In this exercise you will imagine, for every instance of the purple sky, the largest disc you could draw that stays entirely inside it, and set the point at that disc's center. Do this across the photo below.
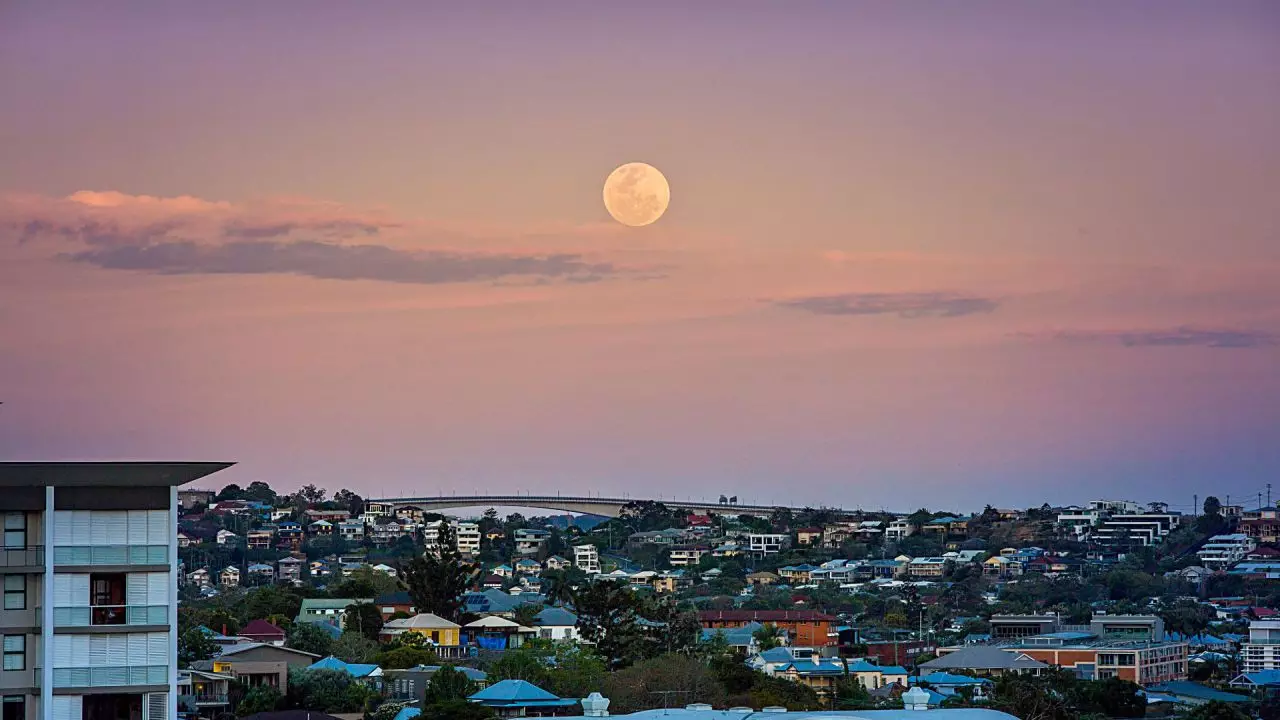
(931, 254)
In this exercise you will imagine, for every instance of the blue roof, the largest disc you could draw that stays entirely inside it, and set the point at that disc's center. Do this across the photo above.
(778, 654)
(518, 693)
(946, 678)
(1186, 688)
(809, 667)
(471, 673)
(407, 713)
(352, 669)
(864, 666)
(555, 616)
(1262, 677)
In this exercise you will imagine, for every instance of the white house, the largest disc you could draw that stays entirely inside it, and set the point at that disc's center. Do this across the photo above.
(587, 558)
(1222, 551)
(226, 537)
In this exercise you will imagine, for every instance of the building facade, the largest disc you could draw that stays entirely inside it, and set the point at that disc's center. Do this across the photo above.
(90, 573)
(1262, 652)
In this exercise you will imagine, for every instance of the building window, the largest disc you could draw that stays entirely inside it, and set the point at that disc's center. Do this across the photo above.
(15, 592)
(15, 652)
(15, 530)
(15, 707)
(107, 596)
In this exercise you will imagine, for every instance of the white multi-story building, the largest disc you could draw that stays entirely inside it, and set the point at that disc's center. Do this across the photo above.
(529, 542)
(898, 529)
(1262, 652)
(90, 569)
(1078, 524)
(587, 558)
(761, 544)
(1222, 551)
(468, 537)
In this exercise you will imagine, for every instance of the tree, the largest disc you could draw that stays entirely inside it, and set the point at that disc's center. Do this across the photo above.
(1217, 710)
(644, 685)
(350, 501)
(850, 694)
(326, 690)
(310, 638)
(260, 492)
(768, 636)
(1186, 617)
(448, 684)
(230, 492)
(607, 617)
(520, 664)
(262, 698)
(194, 644)
(311, 494)
(1212, 505)
(1024, 697)
(353, 647)
(364, 618)
(406, 657)
(436, 580)
(526, 614)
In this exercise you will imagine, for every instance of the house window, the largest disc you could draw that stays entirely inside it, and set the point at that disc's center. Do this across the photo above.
(15, 707)
(15, 592)
(15, 652)
(15, 530)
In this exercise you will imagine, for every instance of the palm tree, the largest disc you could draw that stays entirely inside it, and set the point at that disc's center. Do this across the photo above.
(768, 636)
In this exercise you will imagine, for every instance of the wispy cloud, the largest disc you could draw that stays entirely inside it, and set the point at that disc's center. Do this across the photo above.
(339, 262)
(905, 305)
(1184, 336)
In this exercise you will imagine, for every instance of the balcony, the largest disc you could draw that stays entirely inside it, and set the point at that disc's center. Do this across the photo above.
(110, 676)
(107, 615)
(31, 556)
(111, 555)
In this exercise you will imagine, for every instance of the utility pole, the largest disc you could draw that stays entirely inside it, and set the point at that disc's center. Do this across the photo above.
(1268, 494)
(1195, 505)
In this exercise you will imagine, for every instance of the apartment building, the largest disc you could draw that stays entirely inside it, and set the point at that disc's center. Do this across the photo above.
(1262, 652)
(468, 538)
(899, 529)
(761, 544)
(529, 542)
(1222, 551)
(688, 555)
(89, 566)
(1263, 524)
(1135, 529)
(587, 558)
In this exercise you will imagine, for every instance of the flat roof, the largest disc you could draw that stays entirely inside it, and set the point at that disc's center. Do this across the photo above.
(90, 474)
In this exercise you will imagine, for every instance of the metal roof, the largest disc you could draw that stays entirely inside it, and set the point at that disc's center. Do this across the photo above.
(92, 474)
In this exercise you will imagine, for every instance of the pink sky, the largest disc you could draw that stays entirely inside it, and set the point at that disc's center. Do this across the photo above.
(1001, 255)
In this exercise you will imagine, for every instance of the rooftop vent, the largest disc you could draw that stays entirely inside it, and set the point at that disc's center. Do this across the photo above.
(774, 709)
(741, 709)
(697, 706)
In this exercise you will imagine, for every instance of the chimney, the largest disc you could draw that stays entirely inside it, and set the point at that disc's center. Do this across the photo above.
(595, 705)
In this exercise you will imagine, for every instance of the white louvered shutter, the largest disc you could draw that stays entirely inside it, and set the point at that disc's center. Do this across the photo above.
(68, 707)
(136, 586)
(157, 588)
(158, 648)
(137, 651)
(81, 527)
(63, 652)
(79, 588)
(99, 650)
(62, 590)
(159, 532)
(157, 707)
(62, 527)
(138, 527)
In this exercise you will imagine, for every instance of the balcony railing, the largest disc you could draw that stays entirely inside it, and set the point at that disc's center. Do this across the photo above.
(110, 676)
(106, 615)
(210, 698)
(29, 556)
(111, 555)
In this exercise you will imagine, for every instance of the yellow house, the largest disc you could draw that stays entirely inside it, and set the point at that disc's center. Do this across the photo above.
(872, 676)
(432, 628)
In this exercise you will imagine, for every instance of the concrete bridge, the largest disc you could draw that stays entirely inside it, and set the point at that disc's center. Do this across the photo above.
(588, 505)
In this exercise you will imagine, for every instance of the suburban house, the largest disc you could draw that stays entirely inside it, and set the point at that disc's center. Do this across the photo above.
(443, 635)
(253, 664)
(1222, 551)
(555, 623)
(529, 542)
(873, 676)
(259, 539)
(229, 577)
(328, 610)
(687, 555)
(225, 537)
(261, 631)
(518, 698)
(289, 569)
(395, 602)
(762, 544)
(586, 558)
(203, 694)
(555, 562)
(320, 528)
(497, 633)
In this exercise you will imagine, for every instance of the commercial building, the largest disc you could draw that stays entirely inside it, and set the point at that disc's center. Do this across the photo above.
(1130, 647)
(89, 567)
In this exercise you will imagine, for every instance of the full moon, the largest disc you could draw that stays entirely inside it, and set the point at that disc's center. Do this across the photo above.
(636, 194)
